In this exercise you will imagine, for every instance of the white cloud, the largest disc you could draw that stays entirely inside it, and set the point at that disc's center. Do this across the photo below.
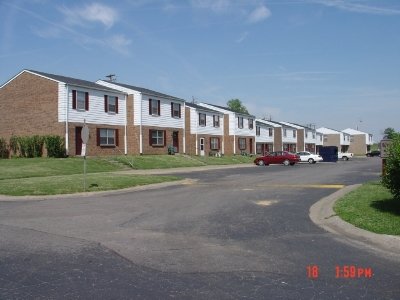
(242, 37)
(259, 14)
(355, 6)
(119, 43)
(94, 12)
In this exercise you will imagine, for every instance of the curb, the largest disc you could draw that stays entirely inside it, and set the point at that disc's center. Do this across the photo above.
(323, 215)
(153, 186)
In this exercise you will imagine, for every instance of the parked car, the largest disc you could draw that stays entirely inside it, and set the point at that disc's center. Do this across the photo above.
(345, 155)
(306, 156)
(277, 157)
(373, 153)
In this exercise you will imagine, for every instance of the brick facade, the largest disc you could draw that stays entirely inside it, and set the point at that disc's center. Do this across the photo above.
(29, 107)
(278, 145)
(358, 145)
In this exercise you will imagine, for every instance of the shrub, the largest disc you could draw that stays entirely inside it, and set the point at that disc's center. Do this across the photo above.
(55, 146)
(14, 148)
(4, 152)
(391, 178)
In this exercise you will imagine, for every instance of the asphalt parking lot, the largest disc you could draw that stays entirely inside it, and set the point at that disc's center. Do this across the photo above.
(227, 233)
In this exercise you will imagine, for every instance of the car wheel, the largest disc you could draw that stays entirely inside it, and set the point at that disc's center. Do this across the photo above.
(286, 162)
(310, 161)
(261, 163)
(292, 164)
(345, 158)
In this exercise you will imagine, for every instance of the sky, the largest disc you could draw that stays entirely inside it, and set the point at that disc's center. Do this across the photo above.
(331, 63)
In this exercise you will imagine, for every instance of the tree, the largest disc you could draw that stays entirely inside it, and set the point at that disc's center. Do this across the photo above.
(389, 133)
(237, 106)
(391, 178)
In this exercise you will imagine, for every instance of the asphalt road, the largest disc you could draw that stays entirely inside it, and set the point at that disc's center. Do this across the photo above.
(242, 233)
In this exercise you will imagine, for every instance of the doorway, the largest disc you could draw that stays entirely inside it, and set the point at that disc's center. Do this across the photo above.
(175, 141)
(202, 147)
(78, 140)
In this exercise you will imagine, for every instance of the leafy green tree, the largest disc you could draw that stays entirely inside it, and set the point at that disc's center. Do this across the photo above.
(391, 178)
(237, 106)
(390, 133)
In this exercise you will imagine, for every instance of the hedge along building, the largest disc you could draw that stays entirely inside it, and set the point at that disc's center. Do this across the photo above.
(37, 103)
(156, 121)
(239, 130)
(204, 130)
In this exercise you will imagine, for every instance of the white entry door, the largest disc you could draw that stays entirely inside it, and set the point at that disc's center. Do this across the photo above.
(201, 146)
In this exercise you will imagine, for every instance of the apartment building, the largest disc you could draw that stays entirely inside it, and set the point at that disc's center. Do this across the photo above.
(38, 103)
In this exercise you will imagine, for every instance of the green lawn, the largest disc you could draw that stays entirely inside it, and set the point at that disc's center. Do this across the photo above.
(175, 161)
(371, 207)
(39, 167)
(70, 184)
(50, 176)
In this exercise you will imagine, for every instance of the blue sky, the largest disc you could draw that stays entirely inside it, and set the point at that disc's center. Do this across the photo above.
(333, 63)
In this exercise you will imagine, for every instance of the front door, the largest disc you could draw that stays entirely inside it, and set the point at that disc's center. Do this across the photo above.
(201, 146)
(175, 141)
(78, 140)
(251, 146)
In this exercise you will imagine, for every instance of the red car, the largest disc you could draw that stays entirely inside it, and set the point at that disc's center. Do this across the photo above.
(277, 157)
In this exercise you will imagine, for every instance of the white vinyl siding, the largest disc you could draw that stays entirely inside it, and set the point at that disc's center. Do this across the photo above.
(209, 128)
(264, 134)
(96, 113)
(289, 135)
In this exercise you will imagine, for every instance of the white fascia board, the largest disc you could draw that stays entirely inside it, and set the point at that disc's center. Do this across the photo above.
(292, 125)
(268, 123)
(30, 72)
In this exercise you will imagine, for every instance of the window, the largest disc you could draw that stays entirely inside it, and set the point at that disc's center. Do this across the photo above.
(107, 137)
(214, 143)
(242, 143)
(202, 119)
(270, 132)
(285, 132)
(111, 104)
(306, 134)
(80, 100)
(258, 130)
(240, 122)
(251, 125)
(259, 148)
(157, 137)
(216, 121)
(175, 110)
(294, 133)
(313, 135)
(154, 107)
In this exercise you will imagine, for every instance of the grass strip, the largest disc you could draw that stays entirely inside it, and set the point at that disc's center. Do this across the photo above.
(74, 183)
(145, 162)
(43, 167)
(371, 207)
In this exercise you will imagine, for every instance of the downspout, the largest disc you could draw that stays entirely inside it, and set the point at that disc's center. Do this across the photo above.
(66, 121)
(234, 136)
(140, 126)
(126, 125)
(184, 128)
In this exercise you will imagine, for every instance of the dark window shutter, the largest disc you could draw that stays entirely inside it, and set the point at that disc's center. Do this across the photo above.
(150, 108)
(199, 119)
(150, 135)
(105, 103)
(214, 120)
(73, 99)
(210, 144)
(159, 107)
(172, 109)
(87, 101)
(116, 137)
(116, 105)
(179, 111)
(165, 136)
(205, 120)
(98, 136)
